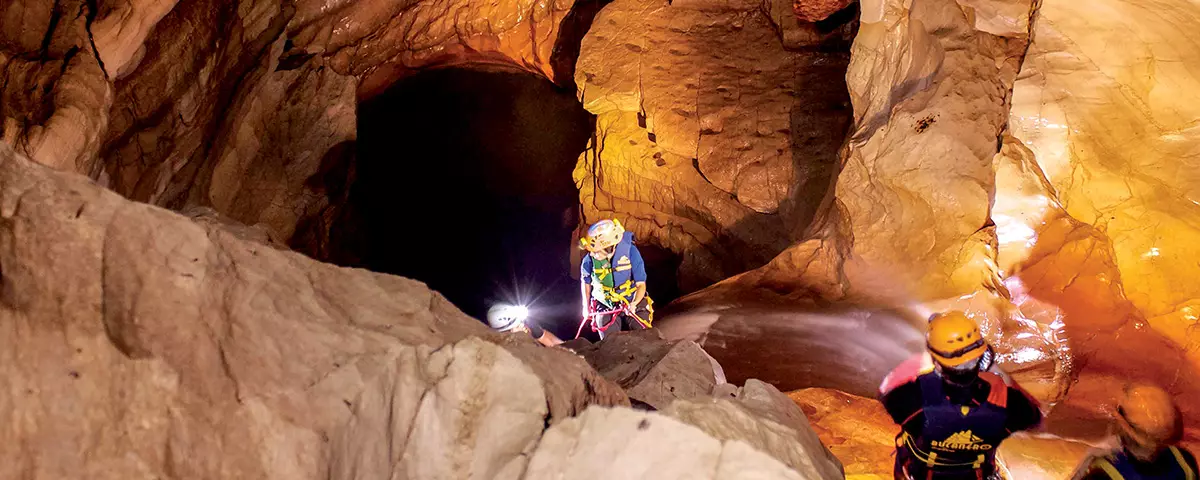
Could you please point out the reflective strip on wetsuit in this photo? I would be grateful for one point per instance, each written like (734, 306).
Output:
(1188, 474)
(1110, 469)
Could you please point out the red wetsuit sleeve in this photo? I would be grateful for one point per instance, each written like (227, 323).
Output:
(906, 372)
(901, 396)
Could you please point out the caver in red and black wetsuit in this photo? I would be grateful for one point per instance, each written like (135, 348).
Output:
(950, 431)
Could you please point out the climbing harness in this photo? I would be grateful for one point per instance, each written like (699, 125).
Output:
(591, 318)
(623, 308)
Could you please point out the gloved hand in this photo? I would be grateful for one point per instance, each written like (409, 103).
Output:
(588, 308)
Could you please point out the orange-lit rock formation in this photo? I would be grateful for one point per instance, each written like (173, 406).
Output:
(1113, 131)
(717, 128)
(1061, 222)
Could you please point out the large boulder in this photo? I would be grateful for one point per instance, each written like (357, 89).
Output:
(605, 443)
(766, 419)
(652, 370)
(135, 343)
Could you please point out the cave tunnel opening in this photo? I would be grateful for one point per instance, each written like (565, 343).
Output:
(464, 182)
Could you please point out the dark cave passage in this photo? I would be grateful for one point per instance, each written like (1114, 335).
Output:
(463, 181)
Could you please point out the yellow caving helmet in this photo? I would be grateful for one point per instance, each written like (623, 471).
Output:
(602, 235)
(1148, 418)
(954, 339)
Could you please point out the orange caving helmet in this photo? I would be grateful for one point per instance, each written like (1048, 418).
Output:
(1148, 418)
(954, 339)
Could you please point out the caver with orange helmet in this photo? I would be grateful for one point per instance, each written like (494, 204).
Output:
(953, 414)
(613, 279)
(957, 346)
(1149, 428)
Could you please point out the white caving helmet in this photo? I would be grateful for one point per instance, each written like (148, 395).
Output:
(602, 237)
(506, 317)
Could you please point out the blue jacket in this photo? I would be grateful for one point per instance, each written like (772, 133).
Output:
(628, 270)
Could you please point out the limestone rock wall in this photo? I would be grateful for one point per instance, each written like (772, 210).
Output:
(607, 443)
(55, 96)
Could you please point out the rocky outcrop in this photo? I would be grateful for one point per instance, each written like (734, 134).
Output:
(766, 419)
(138, 343)
(621, 443)
(683, 382)
(817, 10)
(652, 370)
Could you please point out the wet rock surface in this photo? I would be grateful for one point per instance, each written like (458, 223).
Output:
(964, 185)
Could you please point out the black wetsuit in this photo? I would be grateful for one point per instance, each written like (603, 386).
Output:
(907, 406)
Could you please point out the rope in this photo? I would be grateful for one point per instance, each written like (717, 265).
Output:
(592, 317)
